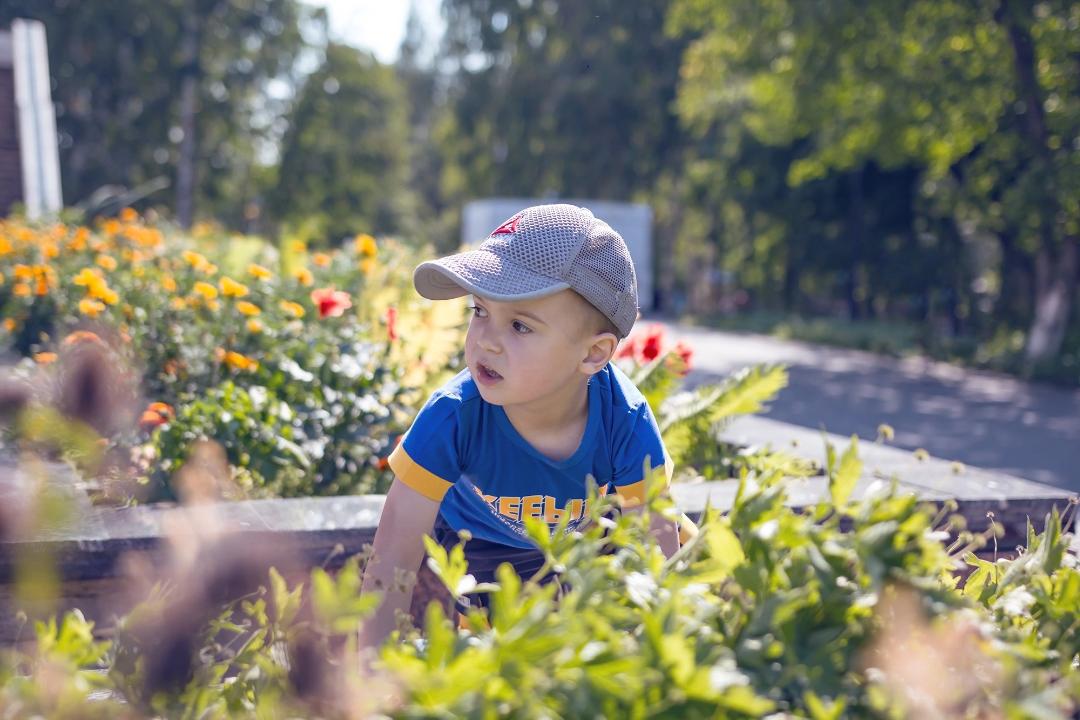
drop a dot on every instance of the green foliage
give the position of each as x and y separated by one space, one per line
765 611
344 159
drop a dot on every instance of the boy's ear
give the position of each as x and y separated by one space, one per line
601 350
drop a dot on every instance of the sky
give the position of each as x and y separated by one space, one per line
378 25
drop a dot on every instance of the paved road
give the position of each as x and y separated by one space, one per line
982 419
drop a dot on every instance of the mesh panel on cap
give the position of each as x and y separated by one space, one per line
495 275
546 240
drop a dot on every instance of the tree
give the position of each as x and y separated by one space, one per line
174 88
344 156
979 94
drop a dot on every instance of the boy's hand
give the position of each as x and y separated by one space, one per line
406 517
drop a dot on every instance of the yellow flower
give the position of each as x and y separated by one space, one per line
367 266
209 268
111 227
50 250
87 277
259 272
291 308
177 303
240 362
168 283
10 324
202 229
254 326
246 308
23 272
129 215
298 246
106 261
205 289
5 246
321 259
44 358
21 290
304 276
194 259
91 307
107 296
231 288
365 245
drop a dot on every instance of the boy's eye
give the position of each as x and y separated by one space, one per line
521 328
478 311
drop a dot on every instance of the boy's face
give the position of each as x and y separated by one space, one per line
523 351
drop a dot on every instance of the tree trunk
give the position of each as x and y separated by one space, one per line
1055 291
1056 260
189 99
856 238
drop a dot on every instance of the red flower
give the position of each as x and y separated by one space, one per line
650 346
331 302
391 323
627 348
681 356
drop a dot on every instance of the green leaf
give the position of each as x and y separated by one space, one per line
842 482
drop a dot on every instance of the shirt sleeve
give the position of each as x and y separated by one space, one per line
427 458
643 444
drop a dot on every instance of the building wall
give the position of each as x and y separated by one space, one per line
10 169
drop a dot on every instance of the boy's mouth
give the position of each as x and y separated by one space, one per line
486 375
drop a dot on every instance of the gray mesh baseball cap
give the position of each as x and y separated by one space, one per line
537 252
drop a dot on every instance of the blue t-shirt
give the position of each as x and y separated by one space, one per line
464 453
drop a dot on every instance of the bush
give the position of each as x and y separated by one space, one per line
304 366
767 612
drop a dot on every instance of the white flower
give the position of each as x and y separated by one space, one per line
767 530
1015 602
724 675
641 588
258 395
465 585
294 370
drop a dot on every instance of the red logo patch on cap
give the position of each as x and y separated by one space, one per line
507 228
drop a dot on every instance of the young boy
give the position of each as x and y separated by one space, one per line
538 408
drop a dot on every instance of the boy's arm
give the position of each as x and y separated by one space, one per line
406 517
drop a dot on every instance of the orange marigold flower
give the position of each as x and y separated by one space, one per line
10 324
177 303
155 414
292 308
168 283
331 302
209 269
91 307
41 287
111 227
321 259
205 289
44 358
240 362
365 245
6 248
129 215
231 288
50 250
80 336
304 276
259 272
22 290
247 308
88 277
163 409
106 261
254 326
22 272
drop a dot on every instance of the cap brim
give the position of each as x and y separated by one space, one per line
482 273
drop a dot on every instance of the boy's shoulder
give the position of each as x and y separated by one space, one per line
457 391
619 391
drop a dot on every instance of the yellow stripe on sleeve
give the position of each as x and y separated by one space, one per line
418 478
634 493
